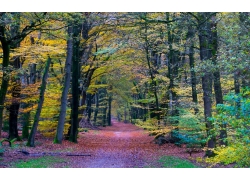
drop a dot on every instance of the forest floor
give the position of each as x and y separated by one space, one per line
122 145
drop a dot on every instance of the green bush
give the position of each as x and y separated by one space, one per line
235 113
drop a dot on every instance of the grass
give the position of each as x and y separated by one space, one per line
42 162
174 162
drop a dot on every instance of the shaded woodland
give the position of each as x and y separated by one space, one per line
182 76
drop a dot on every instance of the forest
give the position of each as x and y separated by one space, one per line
90 86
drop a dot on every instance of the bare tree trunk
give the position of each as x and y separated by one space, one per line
89 105
205 37
14 107
31 139
5 79
96 107
60 126
191 63
75 84
109 109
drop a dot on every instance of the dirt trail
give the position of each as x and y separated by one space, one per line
117 146
122 146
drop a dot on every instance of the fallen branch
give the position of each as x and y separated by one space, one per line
78 154
51 154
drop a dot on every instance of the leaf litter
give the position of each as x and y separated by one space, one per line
122 145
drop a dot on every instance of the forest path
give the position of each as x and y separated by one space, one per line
122 145
116 146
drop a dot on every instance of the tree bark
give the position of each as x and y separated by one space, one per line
190 36
75 84
5 79
88 109
60 126
31 139
205 37
104 116
173 60
96 107
109 109
14 107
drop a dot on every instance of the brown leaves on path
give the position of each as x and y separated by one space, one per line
122 145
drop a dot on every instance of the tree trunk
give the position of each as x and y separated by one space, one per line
31 139
60 126
26 116
5 79
33 73
109 109
153 84
191 63
75 84
216 75
86 83
96 107
104 116
16 89
173 60
205 36
89 104
14 107
13 132
25 130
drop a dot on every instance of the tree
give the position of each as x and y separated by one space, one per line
31 139
75 83
60 127
216 76
206 42
153 82
10 40
190 37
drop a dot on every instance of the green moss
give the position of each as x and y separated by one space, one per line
42 162
174 162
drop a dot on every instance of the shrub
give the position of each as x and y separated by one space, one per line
235 113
